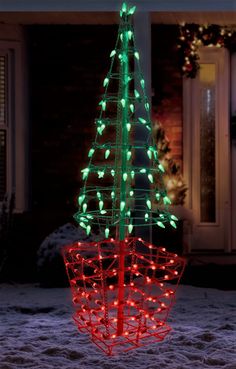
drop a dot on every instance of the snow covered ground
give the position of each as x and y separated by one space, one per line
37 331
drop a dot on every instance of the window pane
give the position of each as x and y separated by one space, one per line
207 143
2 90
2 163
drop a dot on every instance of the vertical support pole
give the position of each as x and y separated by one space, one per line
121 289
142 27
124 145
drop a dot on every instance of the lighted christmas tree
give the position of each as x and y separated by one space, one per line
112 302
110 207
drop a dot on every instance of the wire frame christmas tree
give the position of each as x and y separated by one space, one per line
119 285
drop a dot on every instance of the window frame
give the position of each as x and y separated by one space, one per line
17 130
194 228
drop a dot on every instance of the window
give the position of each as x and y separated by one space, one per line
14 131
207 87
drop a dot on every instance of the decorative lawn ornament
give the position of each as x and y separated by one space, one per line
121 286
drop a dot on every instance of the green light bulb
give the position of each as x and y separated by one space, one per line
147 106
174 217
173 224
127 79
136 54
122 205
83 225
84 207
146 216
142 82
101 129
103 212
124 8
158 196
143 170
101 205
142 120
99 195
160 224
85 172
88 229
162 169
91 152
107 231
112 172
166 200
136 94
107 153
149 153
131 107
150 177
100 173
128 126
122 102
128 155
149 204
103 104
105 82
132 174
130 34
81 199
131 10
112 194
130 228
113 53
125 175
131 193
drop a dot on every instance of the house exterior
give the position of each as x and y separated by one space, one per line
38 118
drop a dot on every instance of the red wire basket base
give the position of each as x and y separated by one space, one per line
122 291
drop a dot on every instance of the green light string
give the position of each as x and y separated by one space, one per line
109 199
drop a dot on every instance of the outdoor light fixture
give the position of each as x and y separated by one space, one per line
122 286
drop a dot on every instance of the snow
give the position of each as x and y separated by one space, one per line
37 331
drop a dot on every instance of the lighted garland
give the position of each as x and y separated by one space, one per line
109 199
192 36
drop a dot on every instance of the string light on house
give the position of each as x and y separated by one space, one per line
192 36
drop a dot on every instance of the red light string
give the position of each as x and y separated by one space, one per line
149 271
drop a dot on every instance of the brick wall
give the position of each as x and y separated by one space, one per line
167 86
